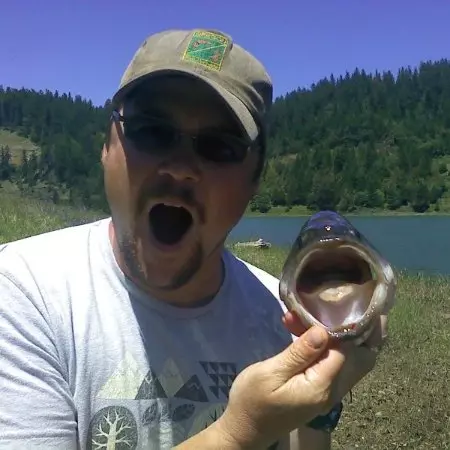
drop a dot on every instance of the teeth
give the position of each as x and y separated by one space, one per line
173 205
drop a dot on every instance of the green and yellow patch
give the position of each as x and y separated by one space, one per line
207 49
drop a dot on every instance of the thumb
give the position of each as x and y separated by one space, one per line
300 354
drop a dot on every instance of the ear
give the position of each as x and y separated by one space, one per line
109 136
105 152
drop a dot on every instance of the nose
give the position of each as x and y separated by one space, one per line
181 164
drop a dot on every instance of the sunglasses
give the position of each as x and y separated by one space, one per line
157 137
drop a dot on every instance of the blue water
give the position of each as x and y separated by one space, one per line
417 243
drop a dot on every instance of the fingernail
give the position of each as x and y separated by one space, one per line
316 337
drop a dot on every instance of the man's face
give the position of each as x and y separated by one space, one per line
173 207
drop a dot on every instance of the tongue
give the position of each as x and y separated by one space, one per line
169 223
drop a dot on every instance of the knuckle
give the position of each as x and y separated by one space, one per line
255 372
297 355
323 399
327 402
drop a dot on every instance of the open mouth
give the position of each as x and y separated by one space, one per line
169 224
339 265
336 285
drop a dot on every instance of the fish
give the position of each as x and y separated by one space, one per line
335 278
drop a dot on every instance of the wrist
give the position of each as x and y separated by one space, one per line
227 435
213 437
238 434
327 422
310 439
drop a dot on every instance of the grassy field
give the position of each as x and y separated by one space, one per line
403 404
16 144
21 217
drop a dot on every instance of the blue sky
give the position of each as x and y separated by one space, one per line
83 46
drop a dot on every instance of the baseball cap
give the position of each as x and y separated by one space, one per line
213 57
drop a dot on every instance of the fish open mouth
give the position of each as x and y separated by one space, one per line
336 285
169 224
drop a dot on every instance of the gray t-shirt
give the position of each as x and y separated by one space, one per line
88 361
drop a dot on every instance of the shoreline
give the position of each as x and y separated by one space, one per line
275 256
280 252
303 213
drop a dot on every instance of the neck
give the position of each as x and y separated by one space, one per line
199 291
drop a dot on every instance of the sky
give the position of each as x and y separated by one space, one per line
83 46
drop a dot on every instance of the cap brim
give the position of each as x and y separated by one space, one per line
239 110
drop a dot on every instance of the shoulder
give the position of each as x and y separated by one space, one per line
260 291
41 274
256 281
258 277
53 248
47 259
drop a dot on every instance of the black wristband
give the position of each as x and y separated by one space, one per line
328 422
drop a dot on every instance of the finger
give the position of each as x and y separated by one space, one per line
339 371
299 355
317 386
293 323
326 368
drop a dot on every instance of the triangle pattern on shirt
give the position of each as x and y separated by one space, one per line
192 390
150 388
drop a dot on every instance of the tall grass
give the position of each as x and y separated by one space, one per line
21 217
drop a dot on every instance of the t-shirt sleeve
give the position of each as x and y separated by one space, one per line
36 405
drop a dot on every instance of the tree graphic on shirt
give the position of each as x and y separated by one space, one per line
169 412
114 428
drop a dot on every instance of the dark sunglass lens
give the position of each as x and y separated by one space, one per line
150 137
221 149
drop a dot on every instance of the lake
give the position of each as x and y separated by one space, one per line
414 243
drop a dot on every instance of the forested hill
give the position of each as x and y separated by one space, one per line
378 141
68 133
363 140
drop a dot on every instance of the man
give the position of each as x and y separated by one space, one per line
128 333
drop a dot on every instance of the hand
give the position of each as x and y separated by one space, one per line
271 398
354 353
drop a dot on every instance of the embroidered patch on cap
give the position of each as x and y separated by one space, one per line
207 49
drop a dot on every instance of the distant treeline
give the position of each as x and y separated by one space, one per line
361 140
69 132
